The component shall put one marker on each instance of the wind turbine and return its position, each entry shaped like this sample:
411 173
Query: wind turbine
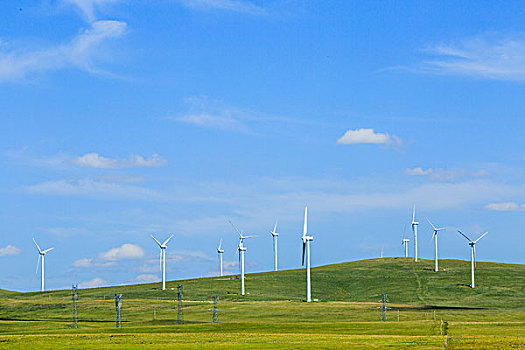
435 236
382 251
220 251
241 248
306 246
405 241
42 255
162 260
472 245
275 235
414 229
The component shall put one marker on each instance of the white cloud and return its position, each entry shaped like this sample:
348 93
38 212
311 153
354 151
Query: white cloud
87 7
94 160
417 172
226 5
87 262
368 136
95 282
489 57
440 174
505 206
125 251
81 53
9 250
147 278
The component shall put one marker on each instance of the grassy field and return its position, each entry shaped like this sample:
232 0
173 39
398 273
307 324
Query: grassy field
273 315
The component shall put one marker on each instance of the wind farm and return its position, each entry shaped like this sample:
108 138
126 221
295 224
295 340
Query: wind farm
249 174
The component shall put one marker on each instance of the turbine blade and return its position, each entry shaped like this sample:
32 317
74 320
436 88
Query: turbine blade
48 250
474 248
38 264
156 240
160 260
404 232
414 214
37 247
235 228
304 248
220 244
305 226
483 235
166 241
461 233
431 225
244 237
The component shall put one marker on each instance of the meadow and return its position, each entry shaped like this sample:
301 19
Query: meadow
424 307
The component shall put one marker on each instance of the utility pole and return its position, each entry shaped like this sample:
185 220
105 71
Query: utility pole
180 315
383 308
118 305
215 310
74 314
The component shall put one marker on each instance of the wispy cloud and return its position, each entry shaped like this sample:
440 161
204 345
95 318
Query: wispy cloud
90 262
94 160
440 174
492 56
88 7
81 53
369 136
91 187
188 256
9 250
225 5
95 282
145 278
213 121
214 114
505 206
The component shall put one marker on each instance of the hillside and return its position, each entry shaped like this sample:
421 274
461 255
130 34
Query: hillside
405 282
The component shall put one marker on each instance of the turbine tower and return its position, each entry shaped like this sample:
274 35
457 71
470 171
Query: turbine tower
435 236
42 255
162 260
275 235
405 241
414 229
306 246
472 245
241 248
220 251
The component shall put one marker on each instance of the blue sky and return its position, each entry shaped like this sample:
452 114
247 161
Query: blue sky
122 119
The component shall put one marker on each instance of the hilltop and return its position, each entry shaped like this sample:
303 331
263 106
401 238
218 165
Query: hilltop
404 282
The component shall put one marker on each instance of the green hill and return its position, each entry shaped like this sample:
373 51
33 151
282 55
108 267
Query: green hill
405 282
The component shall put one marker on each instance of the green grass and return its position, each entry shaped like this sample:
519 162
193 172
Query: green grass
273 314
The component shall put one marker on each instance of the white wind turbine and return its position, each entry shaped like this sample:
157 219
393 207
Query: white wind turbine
414 229
42 255
162 260
220 251
435 236
306 246
275 235
405 241
241 248
472 245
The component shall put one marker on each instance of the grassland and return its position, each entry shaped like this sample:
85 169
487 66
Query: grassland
273 315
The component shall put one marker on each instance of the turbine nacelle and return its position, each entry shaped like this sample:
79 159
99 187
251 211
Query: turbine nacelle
274 231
